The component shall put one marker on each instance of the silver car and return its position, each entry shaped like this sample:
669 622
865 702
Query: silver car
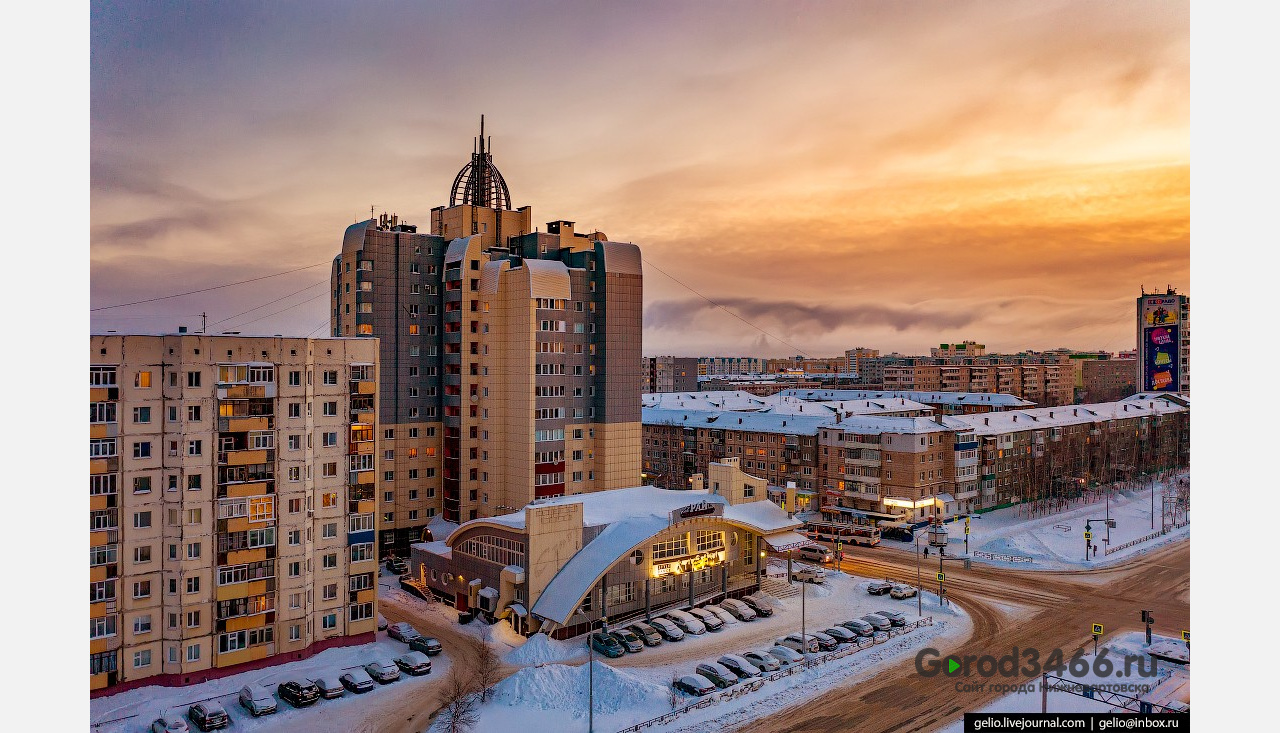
763 660
894 617
879 622
383 671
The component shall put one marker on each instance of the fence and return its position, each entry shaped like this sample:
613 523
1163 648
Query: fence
1140 540
746 688
998 557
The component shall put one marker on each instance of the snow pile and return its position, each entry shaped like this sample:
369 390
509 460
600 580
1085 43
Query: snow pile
541 649
561 687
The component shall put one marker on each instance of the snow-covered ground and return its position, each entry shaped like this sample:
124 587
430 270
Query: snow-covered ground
636 688
134 710
1133 643
1056 542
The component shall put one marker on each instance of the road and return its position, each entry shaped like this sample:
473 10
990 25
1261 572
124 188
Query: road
1027 609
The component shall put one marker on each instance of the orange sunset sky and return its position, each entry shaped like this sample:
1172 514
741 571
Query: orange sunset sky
891 175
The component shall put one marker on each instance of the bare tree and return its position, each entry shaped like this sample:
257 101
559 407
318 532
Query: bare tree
459 703
486 673
673 694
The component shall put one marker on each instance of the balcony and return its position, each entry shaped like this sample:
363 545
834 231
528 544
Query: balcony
246 457
244 423
366 387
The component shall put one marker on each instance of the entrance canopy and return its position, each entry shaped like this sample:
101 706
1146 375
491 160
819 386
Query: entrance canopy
787 541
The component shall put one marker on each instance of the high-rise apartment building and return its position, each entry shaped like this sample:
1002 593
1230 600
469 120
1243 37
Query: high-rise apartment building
859 359
1164 342
511 356
232 503
669 374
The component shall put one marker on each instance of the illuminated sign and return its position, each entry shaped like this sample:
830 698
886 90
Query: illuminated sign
689 564
909 504
1160 311
700 509
1160 361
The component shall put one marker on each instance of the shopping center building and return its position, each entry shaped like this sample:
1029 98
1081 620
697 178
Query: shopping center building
562 564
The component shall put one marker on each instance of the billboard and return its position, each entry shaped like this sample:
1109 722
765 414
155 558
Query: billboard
1160 367
1160 310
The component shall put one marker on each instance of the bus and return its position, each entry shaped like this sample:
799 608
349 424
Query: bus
844 532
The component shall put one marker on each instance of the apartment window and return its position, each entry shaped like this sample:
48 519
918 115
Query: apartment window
142 554
142 589
295 632
330 621
193 379
295 506
194 482
295 569
329 469
295 600
329 499
193 585
295 536
295 379
141 520
295 473
194 447
193 516
142 624
329 530
330 376
102 447
330 592
141 484
361 552
193 550
328 440
330 409
193 653
193 619
295 409
388 475
100 627
142 379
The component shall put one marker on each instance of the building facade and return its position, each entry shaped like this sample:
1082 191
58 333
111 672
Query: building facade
1107 380
1164 343
233 503
511 355
712 366
669 374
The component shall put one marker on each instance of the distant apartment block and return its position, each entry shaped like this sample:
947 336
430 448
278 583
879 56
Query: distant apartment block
669 374
711 366
233 503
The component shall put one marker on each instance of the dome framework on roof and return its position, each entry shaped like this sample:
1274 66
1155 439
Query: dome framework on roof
479 183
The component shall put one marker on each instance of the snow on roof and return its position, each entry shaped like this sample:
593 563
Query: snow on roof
439 547
995 399
994 423
781 404
755 422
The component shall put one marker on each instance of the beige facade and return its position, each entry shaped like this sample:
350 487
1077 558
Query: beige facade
232 502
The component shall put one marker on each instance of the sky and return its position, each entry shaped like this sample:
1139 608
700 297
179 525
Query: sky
891 175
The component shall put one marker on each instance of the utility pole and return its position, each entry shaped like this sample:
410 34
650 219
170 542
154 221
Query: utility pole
804 587
919 586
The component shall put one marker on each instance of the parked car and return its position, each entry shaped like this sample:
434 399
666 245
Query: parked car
739 609
382 622
762 660
859 627
667 628
170 724
209 715
329 687
607 645
695 684
739 665
357 680
708 619
895 618
383 671
880 588
397 565
805 645
880 622
902 591
718 674
759 604
298 693
425 644
816 553
628 640
257 700
414 663
809 575
722 613
646 633
841 634
402 631
785 655
826 642
688 624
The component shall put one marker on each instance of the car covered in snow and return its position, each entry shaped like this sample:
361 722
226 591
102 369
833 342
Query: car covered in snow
688 624
607 645
880 588
414 663
329 687
646 633
739 665
695 684
762 660
628 640
809 575
739 609
402 631
708 618
879 622
383 671
762 605
785 655
859 627
902 591
895 618
719 610
816 553
826 642
806 644
717 673
425 644
170 724
667 628
841 634
209 715
298 693
257 700
357 680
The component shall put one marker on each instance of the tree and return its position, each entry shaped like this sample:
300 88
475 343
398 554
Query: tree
459 703
486 673
674 695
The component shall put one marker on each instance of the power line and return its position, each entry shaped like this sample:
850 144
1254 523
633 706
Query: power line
797 349
205 290
323 323
269 302
282 310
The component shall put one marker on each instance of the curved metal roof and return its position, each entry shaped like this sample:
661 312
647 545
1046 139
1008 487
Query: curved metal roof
479 183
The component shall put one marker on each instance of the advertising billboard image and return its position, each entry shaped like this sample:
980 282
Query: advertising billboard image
1160 311
1160 370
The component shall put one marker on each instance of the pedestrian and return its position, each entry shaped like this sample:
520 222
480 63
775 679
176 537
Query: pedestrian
926 552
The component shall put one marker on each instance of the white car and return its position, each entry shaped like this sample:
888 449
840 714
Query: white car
257 700
816 553
170 724
382 671
763 660
708 619
902 591
688 624
785 655
739 609
809 575
806 645
329 686
719 610
667 628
